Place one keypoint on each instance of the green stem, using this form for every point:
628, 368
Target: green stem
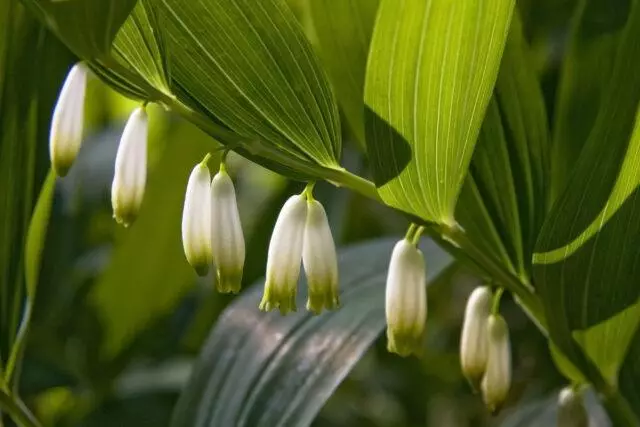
409, 234
17, 410
495, 306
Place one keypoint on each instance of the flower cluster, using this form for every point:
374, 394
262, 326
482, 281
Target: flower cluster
485, 349
301, 234
211, 228
130, 173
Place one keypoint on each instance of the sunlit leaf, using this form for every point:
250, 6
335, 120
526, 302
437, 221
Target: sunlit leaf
343, 29
429, 79
586, 264
260, 369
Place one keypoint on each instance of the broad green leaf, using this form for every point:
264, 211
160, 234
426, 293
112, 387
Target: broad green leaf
586, 69
148, 273
27, 95
504, 201
87, 27
141, 46
260, 369
249, 65
585, 265
343, 29
429, 79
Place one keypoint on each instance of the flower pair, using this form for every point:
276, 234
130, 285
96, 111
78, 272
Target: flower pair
211, 228
485, 349
65, 138
301, 233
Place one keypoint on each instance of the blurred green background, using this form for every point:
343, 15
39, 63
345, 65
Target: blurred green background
120, 315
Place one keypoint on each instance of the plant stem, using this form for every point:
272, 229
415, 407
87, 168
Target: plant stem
17, 410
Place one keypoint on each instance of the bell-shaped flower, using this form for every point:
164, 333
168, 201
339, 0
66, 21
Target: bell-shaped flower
196, 219
130, 175
227, 239
571, 409
285, 256
406, 300
497, 377
67, 122
319, 260
473, 341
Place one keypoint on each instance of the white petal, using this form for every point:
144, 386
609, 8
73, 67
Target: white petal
571, 409
67, 121
196, 220
497, 378
227, 239
406, 300
320, 260
473, 342
284, 257
130, 173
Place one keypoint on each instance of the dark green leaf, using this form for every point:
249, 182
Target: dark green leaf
262, 369
87, 27
586, 70
586, 264
343, 29
504, 201
430, 76
27, 95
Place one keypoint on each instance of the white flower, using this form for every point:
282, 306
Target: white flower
473, 342
571, 410
67, 122
130, 173
227, 239
196, 219
284, 257
497, 378
320, 260
406, 300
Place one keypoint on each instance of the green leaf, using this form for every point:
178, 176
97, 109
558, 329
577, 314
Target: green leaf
586, 70
343, 30
142, 47
504, 202
87, 27
429, 79
586, 265
260, 369
27, 96
148, 273
250, 65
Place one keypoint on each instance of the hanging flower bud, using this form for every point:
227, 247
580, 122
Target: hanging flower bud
67, 122
473, 342
130, 173
196, 219
227, 239
497, 378
285, 254
571, 410
406, 300
320, 260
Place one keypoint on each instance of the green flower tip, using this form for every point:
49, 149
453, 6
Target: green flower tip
404, 344
201, 269
228, 283
325, 300
285, 302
